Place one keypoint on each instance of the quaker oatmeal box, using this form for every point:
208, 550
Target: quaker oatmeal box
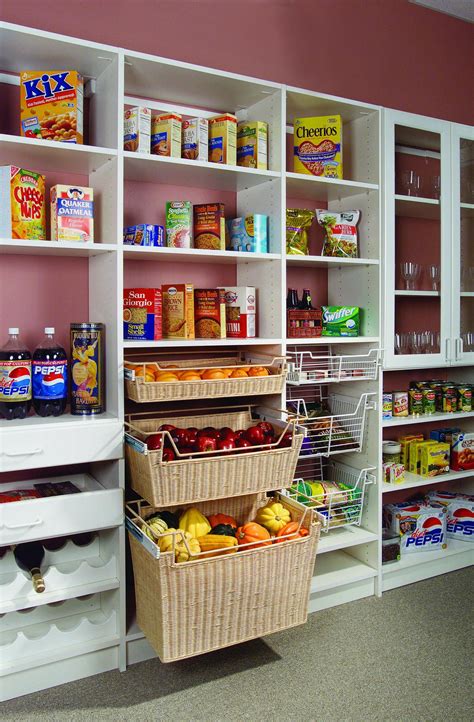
209, 313
51, 105
142, 313
209, 226
178, 310
22, 204
241, 311
72, 213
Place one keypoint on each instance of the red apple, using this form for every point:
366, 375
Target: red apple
267, 428
180, 437
192, 437
255, 435
240, 434
226, 431
206, 443
166, 427
244, 444
286, 440
154, 442
209, 429
186, 450
225, 445
168, 455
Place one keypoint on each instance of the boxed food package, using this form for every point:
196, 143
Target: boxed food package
318, 146
241, 311
394, 473
178, 310
137, 129
414, 455
142, 314
340, 229
166, 134
462, 451
459, 513
195, 139
341, 320
249, 234
22, 204
72, 213
252, 144
421, 527
223, 139
209, 313
209, 226
445, 434
387, 406
51, 105
144, 235
179, 224
434, 459
405, 444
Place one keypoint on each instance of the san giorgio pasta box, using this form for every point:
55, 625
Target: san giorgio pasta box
142, 314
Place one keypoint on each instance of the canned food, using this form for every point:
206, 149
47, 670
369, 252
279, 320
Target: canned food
415, 402
387, 406
450, 399
400, 403
464, 397
87, 369
437, 387
429, 400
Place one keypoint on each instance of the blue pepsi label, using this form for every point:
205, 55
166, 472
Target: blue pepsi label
50, 379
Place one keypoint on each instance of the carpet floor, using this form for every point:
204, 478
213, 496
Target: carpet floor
407, 656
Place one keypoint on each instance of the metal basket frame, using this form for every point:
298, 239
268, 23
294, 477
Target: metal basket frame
308, 367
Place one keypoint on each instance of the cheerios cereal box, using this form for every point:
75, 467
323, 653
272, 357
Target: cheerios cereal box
51, 105
318, 146
22, 204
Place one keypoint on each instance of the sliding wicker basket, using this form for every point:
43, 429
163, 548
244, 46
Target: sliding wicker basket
200, 606
139, 389
204, 476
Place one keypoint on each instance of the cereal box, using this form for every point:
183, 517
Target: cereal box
51, 105
318, 146
222, 139
434, 459
166, 134
462, 451
252, 144
249, 234
341, 320
209, 313
195, 139
72, 213
178, 311
179, 224
241, 311
209, 226
137, 129
144, 235
22, 204
142, 313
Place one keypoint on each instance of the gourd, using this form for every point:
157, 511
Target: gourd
291, 529
154, 527
167, 516
217, 544
215, 519
181, 550
253, 532
273, 516
194, 522
165, 543
224, 530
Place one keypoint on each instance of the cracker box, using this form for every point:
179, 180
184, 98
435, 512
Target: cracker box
241, 311
341, 320
249, 234
195, 139
462, 451
405, 444
318, 146
72, 213
144, 235
51, 105
137, 129
209, 313
394, 473
434, 459
252, 144
209, 226
223, 139
178, 311
22, 204
142, 314
166, 134
414, 454
179, 224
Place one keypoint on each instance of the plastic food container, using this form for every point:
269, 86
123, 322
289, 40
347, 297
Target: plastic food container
390, 547
391, 452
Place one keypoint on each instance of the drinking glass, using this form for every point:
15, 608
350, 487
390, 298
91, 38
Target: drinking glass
467, 278
434, 274
401, 344
428, 342
412, 183
410, 274
468, 341
416, 342
436, 186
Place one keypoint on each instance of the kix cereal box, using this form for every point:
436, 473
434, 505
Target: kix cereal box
142, 313
22, 204
318, 146
222, 139
51, 105
252, 144
178, 310
72, 213
166, 134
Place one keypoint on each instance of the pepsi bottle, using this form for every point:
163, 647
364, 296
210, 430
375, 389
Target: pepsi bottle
49, 377
15, 377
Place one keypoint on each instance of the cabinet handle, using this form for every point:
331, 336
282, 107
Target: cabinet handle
460, 343
448, 349
22, 453
24, 525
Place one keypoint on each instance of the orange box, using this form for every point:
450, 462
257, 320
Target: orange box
223, 139
22, 204
51, 105
178, 310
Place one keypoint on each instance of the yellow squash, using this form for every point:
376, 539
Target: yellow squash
273, 516
155, 528
217, 544
181, 550
194, 522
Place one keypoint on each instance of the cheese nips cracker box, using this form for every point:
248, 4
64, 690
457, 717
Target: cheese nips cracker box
318, 146
22, 204
72, 213
51, 105
142, 313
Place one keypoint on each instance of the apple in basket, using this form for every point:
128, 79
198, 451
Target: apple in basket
286, 440
255, 435
154, 442
168, 455
244, 444
226, 444
267, 428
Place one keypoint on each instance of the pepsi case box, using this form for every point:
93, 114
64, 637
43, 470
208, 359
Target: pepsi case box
459, 513
421, 526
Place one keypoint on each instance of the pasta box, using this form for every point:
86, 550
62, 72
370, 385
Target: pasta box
209, 313
209, 226
142, 314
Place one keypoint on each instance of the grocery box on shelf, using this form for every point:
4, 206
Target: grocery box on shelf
22, 204
52, 105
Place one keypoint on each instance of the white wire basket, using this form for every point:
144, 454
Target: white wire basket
336, 507
308, 367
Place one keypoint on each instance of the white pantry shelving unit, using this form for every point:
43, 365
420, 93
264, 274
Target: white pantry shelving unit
85, 625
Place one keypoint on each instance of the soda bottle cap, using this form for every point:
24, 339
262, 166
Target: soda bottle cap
49, 331
13, 331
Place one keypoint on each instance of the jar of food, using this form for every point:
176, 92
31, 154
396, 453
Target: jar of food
390, 546
391, 452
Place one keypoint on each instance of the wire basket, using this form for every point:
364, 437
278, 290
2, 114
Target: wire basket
308, 367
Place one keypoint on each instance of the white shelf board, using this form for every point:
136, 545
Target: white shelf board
32, 599
192, 173
11, 246
429, 418
51, 155
199, 342
422, 565
337, 569
467, 294
302, 102
199, 255
324, 340
324, 189
415, 207
347, 536
328, 261
413, 481
467, 209
400, 292
53, 422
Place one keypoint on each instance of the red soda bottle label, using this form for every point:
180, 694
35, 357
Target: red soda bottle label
15, 380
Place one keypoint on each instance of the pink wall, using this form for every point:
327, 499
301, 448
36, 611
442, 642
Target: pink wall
388, 52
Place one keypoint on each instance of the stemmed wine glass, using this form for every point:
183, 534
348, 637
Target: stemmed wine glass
401, 344
410, 274
411, 183
434, 274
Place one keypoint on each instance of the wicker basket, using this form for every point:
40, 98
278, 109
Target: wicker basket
142, 391
184, 481
200, 606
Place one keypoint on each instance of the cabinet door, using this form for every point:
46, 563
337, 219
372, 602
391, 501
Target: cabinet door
462, 150
417, 258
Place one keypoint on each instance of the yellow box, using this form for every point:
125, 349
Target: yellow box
178, 310
415, 454
51, 105
405, 444
223, 139
318, 146
252, 144
22, 204
166, 134
434, 459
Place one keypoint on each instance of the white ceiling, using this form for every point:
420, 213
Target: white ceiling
462, 9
